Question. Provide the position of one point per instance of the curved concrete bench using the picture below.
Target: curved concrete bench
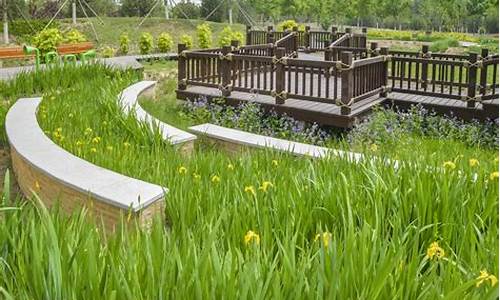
(54, 174)
(129, 101)
(233, 140)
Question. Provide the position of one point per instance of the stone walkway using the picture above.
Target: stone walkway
(119, 62)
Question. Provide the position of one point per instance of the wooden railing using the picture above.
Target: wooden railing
(289, 43)
(342, 82)
(306, 39)
(470, 78)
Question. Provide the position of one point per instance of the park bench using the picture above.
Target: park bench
(234, 140)
(58, 176)
(76, 48)
(129, 101)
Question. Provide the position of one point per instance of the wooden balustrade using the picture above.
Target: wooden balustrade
(269, 70)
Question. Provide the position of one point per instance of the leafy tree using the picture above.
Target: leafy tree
(186, 8)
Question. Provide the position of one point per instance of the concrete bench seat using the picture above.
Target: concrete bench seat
(129, 101)
(54, 174)
(234, 140)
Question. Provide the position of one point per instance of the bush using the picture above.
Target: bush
(108, 52)
(289, 24)
(165, 42)
(252, 118)
(227, 35)
(146, 43)
(22, 29)
(47, 40)
(443, 45)
(124, 43)
(187, 40)
(387, 127)
(204, 36)
(74, 36)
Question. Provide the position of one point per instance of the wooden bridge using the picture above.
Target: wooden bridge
(342, 81)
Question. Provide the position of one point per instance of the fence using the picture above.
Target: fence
(306, 39)
(343, 81)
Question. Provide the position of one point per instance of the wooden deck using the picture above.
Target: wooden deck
(322, 113)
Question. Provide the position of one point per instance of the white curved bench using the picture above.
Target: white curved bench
(129, 101)
(54, 174)
(234, 139)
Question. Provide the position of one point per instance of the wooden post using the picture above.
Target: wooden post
(181, 67)
(373, 49)
(484, 74)
(472, 80)
(295, 40)
(248, 36)
(347, 78)
(349, 40)
(333, 34)
(328, 51)
(385, 52)
(307, 37)
(362, 39)
(425, 66)
(225, 69)
(280, 95)
(270, 35)
(234, 44)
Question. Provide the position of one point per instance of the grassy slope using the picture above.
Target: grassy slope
(381, 220)
(110, 32)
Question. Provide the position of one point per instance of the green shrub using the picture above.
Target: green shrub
(146, 43)
(204, 36)
(187, 40)
(227, 35)
(74, 36)
(289, 24)
(47, 40)
(108, 52)
(24, 30)
(124, 43)
(443, 45)
(165, 42)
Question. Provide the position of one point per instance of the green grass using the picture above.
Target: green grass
(110, 32)
(381, 220)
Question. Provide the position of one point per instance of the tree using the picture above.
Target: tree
(186, 9)
(137, 8)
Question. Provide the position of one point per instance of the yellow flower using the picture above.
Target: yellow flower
(434, 251)
(252, 237)
(374, 147)
(196, 176)
(473, 162)
(230, 167)
(109, 148)
(93, 150)
(88, 131)
(274, 163)
(250, 189)
(181, 170)
(59, 129)
(484, 276)
(494, 176)
(37, 185)
(96, 140)
(449, 165)
(325, 237)
(126, 144)
(265, 185)
(79, 143)
(71, 115)
(215, 179)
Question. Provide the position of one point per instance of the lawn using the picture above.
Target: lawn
(256, 225)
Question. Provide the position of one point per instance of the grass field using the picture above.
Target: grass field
(109, 32)
(257, 225)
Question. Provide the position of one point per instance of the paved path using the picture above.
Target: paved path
(119, 62)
